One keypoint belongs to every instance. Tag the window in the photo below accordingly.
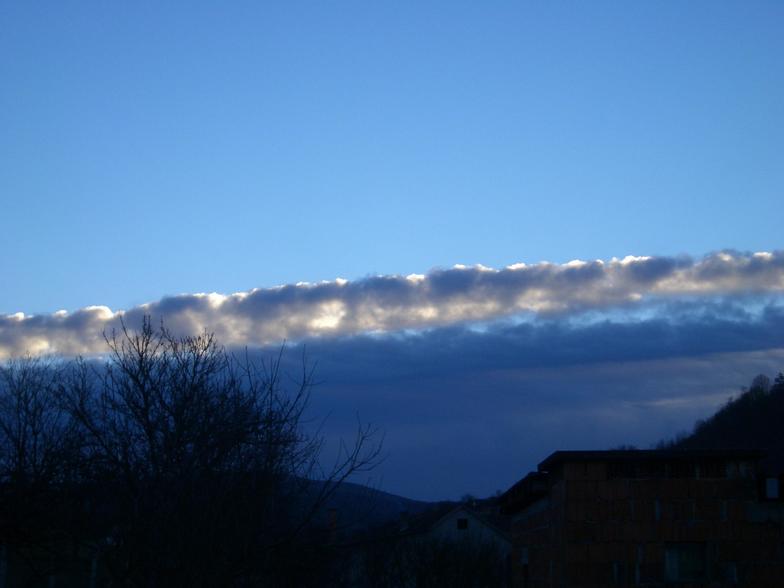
(685, 562)
(683, 469)
(731, 572)
(713, 469)
(772, 488)
(462, 524)
(619, 573)
(621, 469)
(653, 469)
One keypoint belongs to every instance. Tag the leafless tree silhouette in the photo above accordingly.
(191, 464)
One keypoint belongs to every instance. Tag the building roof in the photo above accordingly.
(616, 455)
(497, 524)
(530, 489)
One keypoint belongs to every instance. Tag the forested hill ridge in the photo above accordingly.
(753, 420)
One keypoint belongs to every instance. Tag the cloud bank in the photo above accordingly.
(389, 304)
(477, 374)
(472, 410)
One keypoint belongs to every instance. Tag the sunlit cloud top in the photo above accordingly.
(381, 304)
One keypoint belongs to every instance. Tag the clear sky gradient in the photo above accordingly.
(150, 149)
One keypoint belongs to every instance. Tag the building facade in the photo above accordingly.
(647, 518)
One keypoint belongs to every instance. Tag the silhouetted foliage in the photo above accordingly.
(173, 462)
(753, 420)
(430, 563)
(625, 447)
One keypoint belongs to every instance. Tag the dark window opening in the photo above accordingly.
(619, 574)
(713, 469)
(683, 469)
(462, 524)
(772, 488)
(685, 562)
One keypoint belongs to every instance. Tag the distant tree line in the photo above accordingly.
(171, 462)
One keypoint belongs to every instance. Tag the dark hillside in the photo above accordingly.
(357, 507)
(753, 420)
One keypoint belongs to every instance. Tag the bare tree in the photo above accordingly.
(193, 465)
(37, 442)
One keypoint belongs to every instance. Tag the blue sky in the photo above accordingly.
(151, 150)
(149, 153)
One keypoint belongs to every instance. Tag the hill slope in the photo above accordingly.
(754, 420)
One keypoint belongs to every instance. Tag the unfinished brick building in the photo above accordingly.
(647, 518)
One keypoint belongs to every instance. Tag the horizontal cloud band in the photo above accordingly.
(392, 303)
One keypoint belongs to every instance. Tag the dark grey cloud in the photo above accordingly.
(482, 430)
(392, 303)
(471, 410)
(672, 330)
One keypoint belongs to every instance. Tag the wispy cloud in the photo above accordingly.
(386, 304)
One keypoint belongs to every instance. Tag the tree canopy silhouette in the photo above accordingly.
(750, 421)
(170, 462)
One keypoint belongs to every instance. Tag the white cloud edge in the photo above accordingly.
(380, 304)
